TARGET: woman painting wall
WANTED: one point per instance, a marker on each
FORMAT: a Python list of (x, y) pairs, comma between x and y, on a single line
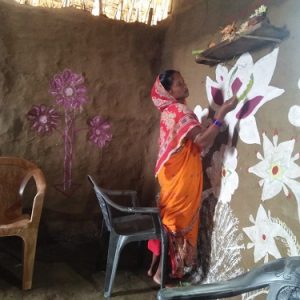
[(179, 170)]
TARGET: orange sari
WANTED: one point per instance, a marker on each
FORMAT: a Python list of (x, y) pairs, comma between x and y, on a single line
[(180, 180)]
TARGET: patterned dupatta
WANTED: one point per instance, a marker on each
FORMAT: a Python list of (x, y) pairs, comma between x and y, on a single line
[(175, 122)]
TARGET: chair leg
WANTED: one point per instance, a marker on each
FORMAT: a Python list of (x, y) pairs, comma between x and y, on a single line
[(164, 252), (116, 243), (29, 249)]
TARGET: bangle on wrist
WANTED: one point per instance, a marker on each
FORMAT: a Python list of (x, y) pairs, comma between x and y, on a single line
[(217, 123)]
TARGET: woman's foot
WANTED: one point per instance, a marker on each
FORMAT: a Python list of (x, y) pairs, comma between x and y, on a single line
[(156, 279), (150, 272), (154, 261)]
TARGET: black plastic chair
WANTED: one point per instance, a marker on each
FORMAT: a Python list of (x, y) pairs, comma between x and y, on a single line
[(138, 224), (280, 276)]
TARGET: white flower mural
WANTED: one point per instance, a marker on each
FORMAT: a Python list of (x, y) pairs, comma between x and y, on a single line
[(262, 235), (277, 169), (294, 113), (264, 232), (250, 82), (222, 174), (201, 114)]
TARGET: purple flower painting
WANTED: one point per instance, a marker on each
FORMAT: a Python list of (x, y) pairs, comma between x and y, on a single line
[(99, 131), (69, 90), (43, 119), (70, 93)]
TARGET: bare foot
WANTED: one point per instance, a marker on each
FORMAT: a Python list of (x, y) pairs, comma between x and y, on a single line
[(156, 279), (150, 272)]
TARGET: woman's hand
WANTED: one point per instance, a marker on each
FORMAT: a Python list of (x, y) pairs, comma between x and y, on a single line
[(226, 107)]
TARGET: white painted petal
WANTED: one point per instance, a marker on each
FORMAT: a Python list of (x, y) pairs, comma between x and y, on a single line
[(271, 188), (221, 73), (251, 232), (295, 188), (228, 187), (296, 156), (275, 140), (245, 61), (271, 93), (261, 216), (259, 252), (259, 156), (285, 190), (251, 219), (293, 170), (200, 113), (248, 131), (260, 169), (264, 69), (294, 115), (273, 250), (284, 151), (250, 245), (230, 158), (268, 148), (231, 120)]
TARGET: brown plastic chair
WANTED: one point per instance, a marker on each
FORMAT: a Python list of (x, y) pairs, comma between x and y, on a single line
[(15, 174)]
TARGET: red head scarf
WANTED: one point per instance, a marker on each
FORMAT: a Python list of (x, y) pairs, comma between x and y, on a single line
[(175, 122)]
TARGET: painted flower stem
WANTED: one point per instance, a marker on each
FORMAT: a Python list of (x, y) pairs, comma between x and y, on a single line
[(68, 148)]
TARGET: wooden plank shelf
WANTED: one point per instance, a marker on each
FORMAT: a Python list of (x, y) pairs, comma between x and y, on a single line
[(260, 35)]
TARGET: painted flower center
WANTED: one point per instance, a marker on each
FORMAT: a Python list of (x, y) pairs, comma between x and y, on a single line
[(98, 131), (275, 170), (264, 237), (43, 119), (224, 172), (69, 91)]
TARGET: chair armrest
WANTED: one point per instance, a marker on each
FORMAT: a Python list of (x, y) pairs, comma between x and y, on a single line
[(207, 291), (126, 209), (132, 210), (131, 193)]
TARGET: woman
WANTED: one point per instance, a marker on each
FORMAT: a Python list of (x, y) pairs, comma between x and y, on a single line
[(179, 170)]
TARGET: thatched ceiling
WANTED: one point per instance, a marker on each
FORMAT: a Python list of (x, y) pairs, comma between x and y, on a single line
[(145, 11)]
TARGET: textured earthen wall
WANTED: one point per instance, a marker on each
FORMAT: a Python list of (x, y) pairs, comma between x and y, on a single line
[(119, 62)]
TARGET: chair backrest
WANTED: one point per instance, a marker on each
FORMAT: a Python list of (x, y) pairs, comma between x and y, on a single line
[(15, 173), (103, 203)]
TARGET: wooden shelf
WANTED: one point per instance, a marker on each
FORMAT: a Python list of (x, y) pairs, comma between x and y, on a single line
[(260, 35)]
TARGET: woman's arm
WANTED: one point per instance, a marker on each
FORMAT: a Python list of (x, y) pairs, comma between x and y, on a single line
[(206, 138)]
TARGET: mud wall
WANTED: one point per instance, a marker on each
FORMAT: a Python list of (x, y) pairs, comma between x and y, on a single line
[(251, 196), (118, 62)]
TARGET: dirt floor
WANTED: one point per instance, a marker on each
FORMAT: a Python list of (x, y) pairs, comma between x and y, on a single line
[(66, 270)]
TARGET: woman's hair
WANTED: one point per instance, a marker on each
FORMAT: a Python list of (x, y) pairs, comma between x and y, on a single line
[(166, 78)]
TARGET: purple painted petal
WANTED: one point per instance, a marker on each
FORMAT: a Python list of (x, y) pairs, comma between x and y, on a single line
[(217, 95), (248, 107), (236, 85)]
